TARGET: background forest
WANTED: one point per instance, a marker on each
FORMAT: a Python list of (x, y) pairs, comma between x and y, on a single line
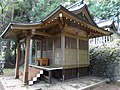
[(29, 11)]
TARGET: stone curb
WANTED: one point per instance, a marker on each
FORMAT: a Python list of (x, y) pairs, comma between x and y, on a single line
[(3, 83), (90, 87)]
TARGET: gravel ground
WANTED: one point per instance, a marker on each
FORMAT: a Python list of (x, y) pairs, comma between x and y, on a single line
[(72, 84), (66, 86)]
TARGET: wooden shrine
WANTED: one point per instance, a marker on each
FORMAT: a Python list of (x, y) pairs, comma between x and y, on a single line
[(62, 37)]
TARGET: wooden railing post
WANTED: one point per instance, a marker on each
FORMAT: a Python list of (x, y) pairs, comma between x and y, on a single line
[(17, 61), (26, 64)]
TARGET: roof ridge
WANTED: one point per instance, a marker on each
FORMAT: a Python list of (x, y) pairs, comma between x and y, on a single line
[(73, 5), (104, 21)]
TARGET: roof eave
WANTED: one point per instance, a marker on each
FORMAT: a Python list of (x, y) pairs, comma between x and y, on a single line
[(5, 31)]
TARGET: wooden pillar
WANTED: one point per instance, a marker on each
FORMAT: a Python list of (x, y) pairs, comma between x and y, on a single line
[(53, 51), (35, 51), (30, 56), (88, 59), (17, 61), (78, 56), (41, 47), (50, 77), (25, 73), (63, 53)]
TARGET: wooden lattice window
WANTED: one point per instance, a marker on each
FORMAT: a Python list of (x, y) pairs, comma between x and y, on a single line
[(57, 42), (83, 45), (49, 44), (70, 42)]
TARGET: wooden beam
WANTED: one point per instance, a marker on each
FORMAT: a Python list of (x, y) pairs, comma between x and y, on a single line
[(79, 27), (50, 24), (22, 40), (63, 52), (26, 27), (17, 61), (42, 34), (25, 73), (30, 27), (76, 29), (74, 36)]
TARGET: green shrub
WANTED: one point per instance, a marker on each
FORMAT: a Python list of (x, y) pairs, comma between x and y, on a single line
[(105, 60), (9, 59)]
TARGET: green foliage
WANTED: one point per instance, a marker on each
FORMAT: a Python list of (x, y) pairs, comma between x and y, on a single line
[(10, 54), (9, 59), (35, 10), (105, 60), (9, 72), (104, 9)]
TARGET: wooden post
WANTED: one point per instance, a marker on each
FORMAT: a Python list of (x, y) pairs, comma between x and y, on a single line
[(41, 47), (53, 52), (88, 53), (17, 61), (63, 53), (78, 55), (25, 73), (30, 56), (50, 76), (35, 51)]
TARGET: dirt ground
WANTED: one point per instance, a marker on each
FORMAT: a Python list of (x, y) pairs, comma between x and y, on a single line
[(103, 87)]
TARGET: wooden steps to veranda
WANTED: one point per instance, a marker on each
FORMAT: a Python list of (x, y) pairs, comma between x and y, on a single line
[(33, 75)]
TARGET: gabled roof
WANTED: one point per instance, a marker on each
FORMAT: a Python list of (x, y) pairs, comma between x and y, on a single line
[(107, 24), (66, 14), (81, 10)]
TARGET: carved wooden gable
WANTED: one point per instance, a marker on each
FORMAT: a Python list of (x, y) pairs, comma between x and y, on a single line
[(83, 13)]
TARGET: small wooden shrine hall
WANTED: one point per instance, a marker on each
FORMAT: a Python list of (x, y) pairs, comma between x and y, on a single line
[(61, 40)]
